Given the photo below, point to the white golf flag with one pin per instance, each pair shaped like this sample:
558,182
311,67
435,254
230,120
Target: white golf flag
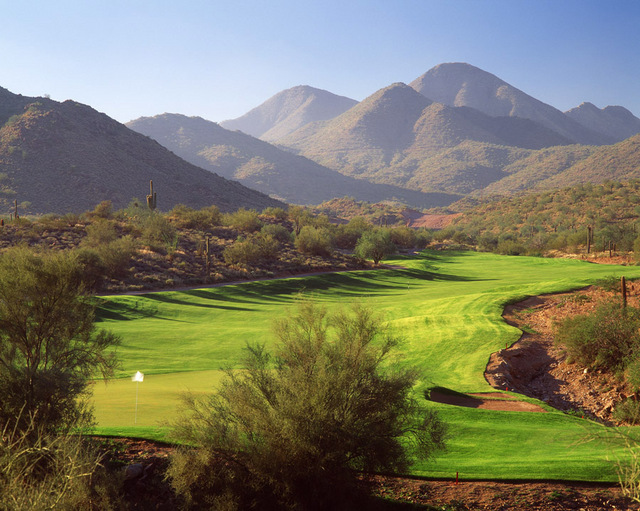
137,377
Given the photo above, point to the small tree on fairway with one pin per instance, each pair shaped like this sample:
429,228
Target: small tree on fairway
375,245
290,429
48,344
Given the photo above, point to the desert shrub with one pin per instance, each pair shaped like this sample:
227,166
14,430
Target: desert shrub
189,218
279,232
100,232
291,429
158,233
43,471
251,250
604,339
423,238
314,241
627,411
49,347
299,217
403,237
510,247
488,242
102,210
277,213
375,245
347,235
245,220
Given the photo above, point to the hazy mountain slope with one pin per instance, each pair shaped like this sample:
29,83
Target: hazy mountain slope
289,110
460,84
264,167
63,157
532,171
618,162
613,121
397,136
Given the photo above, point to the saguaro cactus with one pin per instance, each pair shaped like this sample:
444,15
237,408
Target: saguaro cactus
207,257
151,198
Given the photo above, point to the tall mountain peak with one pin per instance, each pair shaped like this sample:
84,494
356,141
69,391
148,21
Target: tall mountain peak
461,84
289,110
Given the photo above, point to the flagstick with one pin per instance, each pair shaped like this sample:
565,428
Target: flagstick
135,419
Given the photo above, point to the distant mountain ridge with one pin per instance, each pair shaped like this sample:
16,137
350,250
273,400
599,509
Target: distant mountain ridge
461,84
289,110
264,167
67,157
615,122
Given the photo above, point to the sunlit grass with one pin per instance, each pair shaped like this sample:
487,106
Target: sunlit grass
445,306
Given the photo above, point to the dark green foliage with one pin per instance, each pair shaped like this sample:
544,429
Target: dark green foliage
190,218
347,235
279,232
49,347
278,213
290,429
243,220
250,250
314,241
158,233
403,237
628,411
375,245
44,471
605,339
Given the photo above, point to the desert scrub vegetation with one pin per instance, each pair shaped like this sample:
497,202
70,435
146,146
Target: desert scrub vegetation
292,429
586,218
49,351
607,340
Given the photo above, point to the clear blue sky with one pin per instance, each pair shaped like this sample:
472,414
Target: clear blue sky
218,59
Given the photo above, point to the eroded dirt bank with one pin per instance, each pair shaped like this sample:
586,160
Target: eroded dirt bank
535,367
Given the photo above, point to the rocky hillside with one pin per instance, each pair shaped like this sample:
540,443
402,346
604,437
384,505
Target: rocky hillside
460,84
67,157
289,110
613,121
397,136
267,168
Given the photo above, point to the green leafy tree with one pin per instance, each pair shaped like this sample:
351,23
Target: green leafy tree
375,245
291,429
49,347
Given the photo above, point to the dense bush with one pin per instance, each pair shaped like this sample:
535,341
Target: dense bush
45,471
245,220
190,218
605,339
375,245
314,241
291,429
49,347
158,233
347,235
404,237
250,250
279,232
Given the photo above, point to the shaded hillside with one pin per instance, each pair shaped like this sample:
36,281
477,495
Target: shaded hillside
264,167
397,136
613,121
460,84
67,157
289,110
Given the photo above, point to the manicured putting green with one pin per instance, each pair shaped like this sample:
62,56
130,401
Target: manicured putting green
447,308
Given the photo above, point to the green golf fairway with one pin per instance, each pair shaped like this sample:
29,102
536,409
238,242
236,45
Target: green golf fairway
445,306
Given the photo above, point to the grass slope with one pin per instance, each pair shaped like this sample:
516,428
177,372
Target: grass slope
446,306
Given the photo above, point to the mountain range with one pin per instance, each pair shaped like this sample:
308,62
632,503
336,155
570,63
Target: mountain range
265,167
67,157
453,131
